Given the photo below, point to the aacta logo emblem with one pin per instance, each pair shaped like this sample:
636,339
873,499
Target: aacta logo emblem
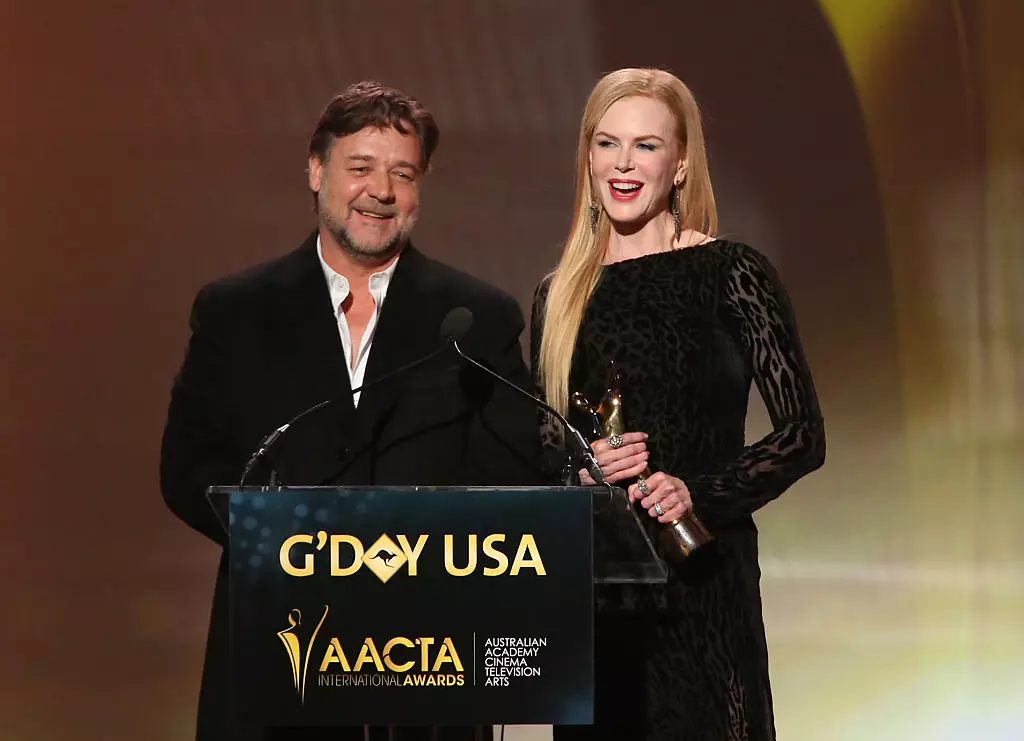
299,661
424,661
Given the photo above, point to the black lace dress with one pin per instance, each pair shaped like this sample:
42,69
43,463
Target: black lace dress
689,330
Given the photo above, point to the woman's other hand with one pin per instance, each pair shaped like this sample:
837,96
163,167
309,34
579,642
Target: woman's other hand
625,461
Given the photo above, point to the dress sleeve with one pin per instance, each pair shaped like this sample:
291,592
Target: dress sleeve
758,302
553,451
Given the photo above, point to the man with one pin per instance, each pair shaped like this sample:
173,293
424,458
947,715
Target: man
353,303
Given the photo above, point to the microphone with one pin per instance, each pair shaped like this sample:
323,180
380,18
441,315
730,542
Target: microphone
461,319
454,325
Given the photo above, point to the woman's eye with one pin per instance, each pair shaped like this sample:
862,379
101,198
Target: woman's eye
605,144
646,146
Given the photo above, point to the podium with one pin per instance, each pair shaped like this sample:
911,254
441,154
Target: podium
372,605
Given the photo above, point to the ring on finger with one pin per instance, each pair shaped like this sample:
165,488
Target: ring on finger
658,509
641,484
615,441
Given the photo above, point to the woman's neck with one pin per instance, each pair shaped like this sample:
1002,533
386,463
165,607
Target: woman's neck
626,242
657,235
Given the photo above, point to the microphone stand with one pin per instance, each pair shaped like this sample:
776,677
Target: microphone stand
578,444
268,442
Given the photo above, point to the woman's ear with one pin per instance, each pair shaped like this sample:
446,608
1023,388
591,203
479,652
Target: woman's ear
680,175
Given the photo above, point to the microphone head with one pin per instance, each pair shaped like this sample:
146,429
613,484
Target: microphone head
456,323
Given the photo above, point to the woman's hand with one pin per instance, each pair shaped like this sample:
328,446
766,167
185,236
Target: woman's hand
626,461
668,492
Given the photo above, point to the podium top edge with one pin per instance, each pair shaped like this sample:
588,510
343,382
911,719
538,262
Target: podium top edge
410,489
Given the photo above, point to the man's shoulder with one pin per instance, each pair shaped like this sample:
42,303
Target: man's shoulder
441,278
268,275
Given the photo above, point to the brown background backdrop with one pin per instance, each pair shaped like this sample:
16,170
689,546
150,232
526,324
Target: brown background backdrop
872,152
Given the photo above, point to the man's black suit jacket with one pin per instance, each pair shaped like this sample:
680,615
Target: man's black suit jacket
265,346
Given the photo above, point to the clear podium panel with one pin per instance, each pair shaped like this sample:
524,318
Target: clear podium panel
623,550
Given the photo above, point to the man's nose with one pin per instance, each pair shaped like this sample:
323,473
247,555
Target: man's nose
381,188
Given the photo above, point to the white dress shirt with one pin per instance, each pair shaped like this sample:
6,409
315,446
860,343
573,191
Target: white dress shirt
340,289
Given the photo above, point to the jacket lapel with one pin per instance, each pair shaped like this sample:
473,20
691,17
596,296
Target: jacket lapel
407,330
307,331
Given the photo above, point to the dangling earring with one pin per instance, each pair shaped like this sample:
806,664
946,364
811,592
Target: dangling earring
595,211
673,206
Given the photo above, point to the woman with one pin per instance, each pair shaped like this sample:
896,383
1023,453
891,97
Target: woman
690,321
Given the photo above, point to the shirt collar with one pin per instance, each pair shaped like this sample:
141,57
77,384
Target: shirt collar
339,286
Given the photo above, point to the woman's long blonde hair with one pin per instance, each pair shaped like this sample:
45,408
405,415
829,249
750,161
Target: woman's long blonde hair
574,278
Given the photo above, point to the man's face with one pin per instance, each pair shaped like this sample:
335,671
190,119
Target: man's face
368,191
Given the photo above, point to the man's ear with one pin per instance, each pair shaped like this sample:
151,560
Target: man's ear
316,173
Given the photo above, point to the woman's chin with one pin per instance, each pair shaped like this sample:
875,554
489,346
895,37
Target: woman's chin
628,223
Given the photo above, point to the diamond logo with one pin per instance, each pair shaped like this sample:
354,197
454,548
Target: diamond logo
384,558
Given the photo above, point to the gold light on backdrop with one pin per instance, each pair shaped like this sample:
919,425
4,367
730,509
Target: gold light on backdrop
922,640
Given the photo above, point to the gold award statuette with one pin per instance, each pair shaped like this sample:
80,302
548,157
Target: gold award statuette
683,535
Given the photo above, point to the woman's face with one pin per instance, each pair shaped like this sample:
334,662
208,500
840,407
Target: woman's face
635,158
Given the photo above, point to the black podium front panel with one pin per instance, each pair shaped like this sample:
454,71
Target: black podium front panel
411,606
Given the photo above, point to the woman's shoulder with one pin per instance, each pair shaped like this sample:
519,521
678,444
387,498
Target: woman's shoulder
741,257
540,293
750,276
716,246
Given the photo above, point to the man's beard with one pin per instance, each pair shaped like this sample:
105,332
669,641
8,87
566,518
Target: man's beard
361,250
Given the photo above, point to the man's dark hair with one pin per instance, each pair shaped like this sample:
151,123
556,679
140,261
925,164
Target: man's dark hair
369,103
